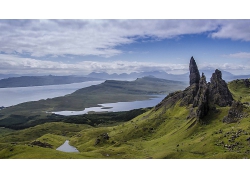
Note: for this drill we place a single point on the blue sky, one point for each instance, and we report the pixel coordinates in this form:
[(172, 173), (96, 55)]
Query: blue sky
[(117, 46)]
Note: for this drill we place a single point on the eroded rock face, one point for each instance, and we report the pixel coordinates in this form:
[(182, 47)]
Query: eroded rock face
[(188, 94), (218, 91), (201, 99), (194, 76)]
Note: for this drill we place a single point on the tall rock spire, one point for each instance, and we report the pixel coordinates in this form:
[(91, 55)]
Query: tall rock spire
[(194, 76), (202, 95)]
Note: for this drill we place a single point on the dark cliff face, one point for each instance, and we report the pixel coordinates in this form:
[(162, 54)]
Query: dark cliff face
[(219, 92), (194, 76), (201, 99)]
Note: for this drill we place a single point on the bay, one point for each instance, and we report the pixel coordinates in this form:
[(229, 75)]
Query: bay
[(115, 107), (17, 95)]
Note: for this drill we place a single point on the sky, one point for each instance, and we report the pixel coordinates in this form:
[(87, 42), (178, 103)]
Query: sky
[(82, 46)]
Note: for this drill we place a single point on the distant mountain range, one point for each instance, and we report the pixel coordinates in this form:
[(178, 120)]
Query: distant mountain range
[(4, 76), (163, 75), (26, 81), (134, 75)]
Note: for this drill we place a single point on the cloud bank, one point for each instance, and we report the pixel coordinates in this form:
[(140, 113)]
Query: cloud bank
[(240, 55), (39, 38), (23, 43), (17, 65)]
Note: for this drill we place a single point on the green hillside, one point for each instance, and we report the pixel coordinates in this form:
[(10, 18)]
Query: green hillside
[(203, 121), (162, 133)]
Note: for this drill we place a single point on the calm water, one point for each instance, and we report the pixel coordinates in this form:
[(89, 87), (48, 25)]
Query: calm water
[(115, 107), (67, 148), (13, 96)]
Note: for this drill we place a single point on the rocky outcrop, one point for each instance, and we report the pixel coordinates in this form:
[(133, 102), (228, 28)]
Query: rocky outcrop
[(188, 94), (102, 138), (218, 90), (202, 95), (42, 144), (194, 76), (235, 113), (185, 97)]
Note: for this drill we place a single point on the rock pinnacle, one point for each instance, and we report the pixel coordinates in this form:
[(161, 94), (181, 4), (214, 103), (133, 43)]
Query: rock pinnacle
[(194, 76)]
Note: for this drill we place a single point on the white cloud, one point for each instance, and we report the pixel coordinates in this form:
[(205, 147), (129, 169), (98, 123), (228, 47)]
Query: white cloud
[(102, 37), (234, 68), (233, 29), (39, 38), (241, 55), (14, 64)]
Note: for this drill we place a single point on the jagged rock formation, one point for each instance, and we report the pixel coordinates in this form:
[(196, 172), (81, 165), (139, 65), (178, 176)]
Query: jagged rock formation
[(202, 95), (235, 113), (219, 92), (201, 98), (194, 76)]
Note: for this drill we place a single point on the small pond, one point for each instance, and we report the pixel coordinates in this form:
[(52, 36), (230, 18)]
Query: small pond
[(67, 148)]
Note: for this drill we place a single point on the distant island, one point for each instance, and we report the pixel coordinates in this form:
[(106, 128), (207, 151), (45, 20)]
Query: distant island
[(27, 81)]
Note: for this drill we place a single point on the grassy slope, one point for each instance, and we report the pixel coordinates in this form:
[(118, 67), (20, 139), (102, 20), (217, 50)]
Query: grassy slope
[(17, 144), (154, 134)]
